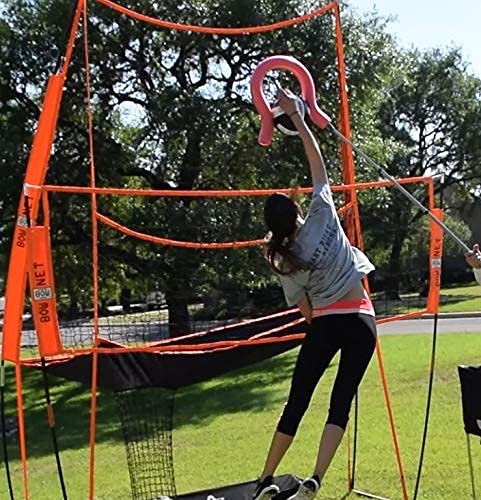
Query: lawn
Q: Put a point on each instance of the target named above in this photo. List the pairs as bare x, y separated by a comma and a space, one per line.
453, 299
223, 427
465, 298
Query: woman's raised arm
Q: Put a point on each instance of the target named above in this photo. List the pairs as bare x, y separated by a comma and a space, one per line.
289, 104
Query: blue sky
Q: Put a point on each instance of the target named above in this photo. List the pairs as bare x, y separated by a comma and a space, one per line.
431, 23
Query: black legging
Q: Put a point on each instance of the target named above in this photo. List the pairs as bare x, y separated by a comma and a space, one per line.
355, 336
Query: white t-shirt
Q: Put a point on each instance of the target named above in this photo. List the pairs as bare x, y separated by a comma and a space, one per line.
332, 265
477, 274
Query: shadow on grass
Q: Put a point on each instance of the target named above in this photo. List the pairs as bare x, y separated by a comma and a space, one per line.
72, 413
253, 389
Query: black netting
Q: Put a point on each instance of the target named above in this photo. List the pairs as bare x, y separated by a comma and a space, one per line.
146, 417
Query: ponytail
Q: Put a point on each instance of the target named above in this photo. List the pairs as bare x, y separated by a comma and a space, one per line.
280, 216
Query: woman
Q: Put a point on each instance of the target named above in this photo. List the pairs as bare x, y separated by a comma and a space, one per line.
322, 274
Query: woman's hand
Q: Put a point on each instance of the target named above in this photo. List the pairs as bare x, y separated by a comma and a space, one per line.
288, 102
473, 257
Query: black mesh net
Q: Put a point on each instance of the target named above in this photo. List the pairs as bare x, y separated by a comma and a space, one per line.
146, 417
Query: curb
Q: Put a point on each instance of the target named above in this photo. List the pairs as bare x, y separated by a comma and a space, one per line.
454, 315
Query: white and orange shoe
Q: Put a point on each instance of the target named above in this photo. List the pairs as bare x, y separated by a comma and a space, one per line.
307, 489
265, 489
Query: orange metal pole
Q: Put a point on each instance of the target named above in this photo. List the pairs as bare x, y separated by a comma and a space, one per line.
216, 31
35, 174
435, 260
352, 223
356, 232
228, 193
93, 398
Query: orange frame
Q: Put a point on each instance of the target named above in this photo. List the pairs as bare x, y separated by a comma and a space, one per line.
35, 176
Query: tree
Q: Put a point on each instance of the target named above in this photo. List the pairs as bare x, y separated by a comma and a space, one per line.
172, 110
429, 115
191, 126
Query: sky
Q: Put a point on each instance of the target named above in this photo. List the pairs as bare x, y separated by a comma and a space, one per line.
434, 23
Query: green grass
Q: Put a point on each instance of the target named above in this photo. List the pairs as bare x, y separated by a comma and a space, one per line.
223, 428
461, 299
453, 299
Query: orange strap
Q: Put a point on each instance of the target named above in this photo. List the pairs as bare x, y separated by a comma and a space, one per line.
50, 416
228, 193
216, 31
435, 259
195, 349
176, 243
35, 174
42, 291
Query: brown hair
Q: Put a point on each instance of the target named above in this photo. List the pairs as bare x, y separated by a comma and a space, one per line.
280, 215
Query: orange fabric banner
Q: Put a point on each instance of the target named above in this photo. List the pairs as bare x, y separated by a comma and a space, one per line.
34, 176
42, 291
435, 259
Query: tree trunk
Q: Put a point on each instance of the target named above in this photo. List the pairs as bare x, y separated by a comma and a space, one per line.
176, 296
393, 280
471, 215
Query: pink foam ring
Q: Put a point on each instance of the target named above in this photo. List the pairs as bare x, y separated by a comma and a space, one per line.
308, 91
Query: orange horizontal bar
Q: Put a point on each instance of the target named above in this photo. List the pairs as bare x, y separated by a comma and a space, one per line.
168, 349
219, 192
176, 243
398, 317
250, 321
215, 31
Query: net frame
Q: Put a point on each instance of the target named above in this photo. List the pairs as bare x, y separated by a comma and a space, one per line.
53, 347
35, 176
170, 345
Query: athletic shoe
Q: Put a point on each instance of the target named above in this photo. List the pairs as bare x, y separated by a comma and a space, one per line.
265, 489
307, 489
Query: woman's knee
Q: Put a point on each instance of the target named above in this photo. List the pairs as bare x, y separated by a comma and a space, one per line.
291, 417
338, 416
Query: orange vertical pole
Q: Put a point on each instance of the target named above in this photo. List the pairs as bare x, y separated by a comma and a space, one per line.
353, 223
353, 227
435, 253
35, 175
17, 271
347, 162
435, 260
93, 397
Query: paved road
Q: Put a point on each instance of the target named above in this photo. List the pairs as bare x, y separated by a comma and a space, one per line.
445, 325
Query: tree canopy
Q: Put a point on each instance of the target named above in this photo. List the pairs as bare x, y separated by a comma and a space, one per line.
173, 110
